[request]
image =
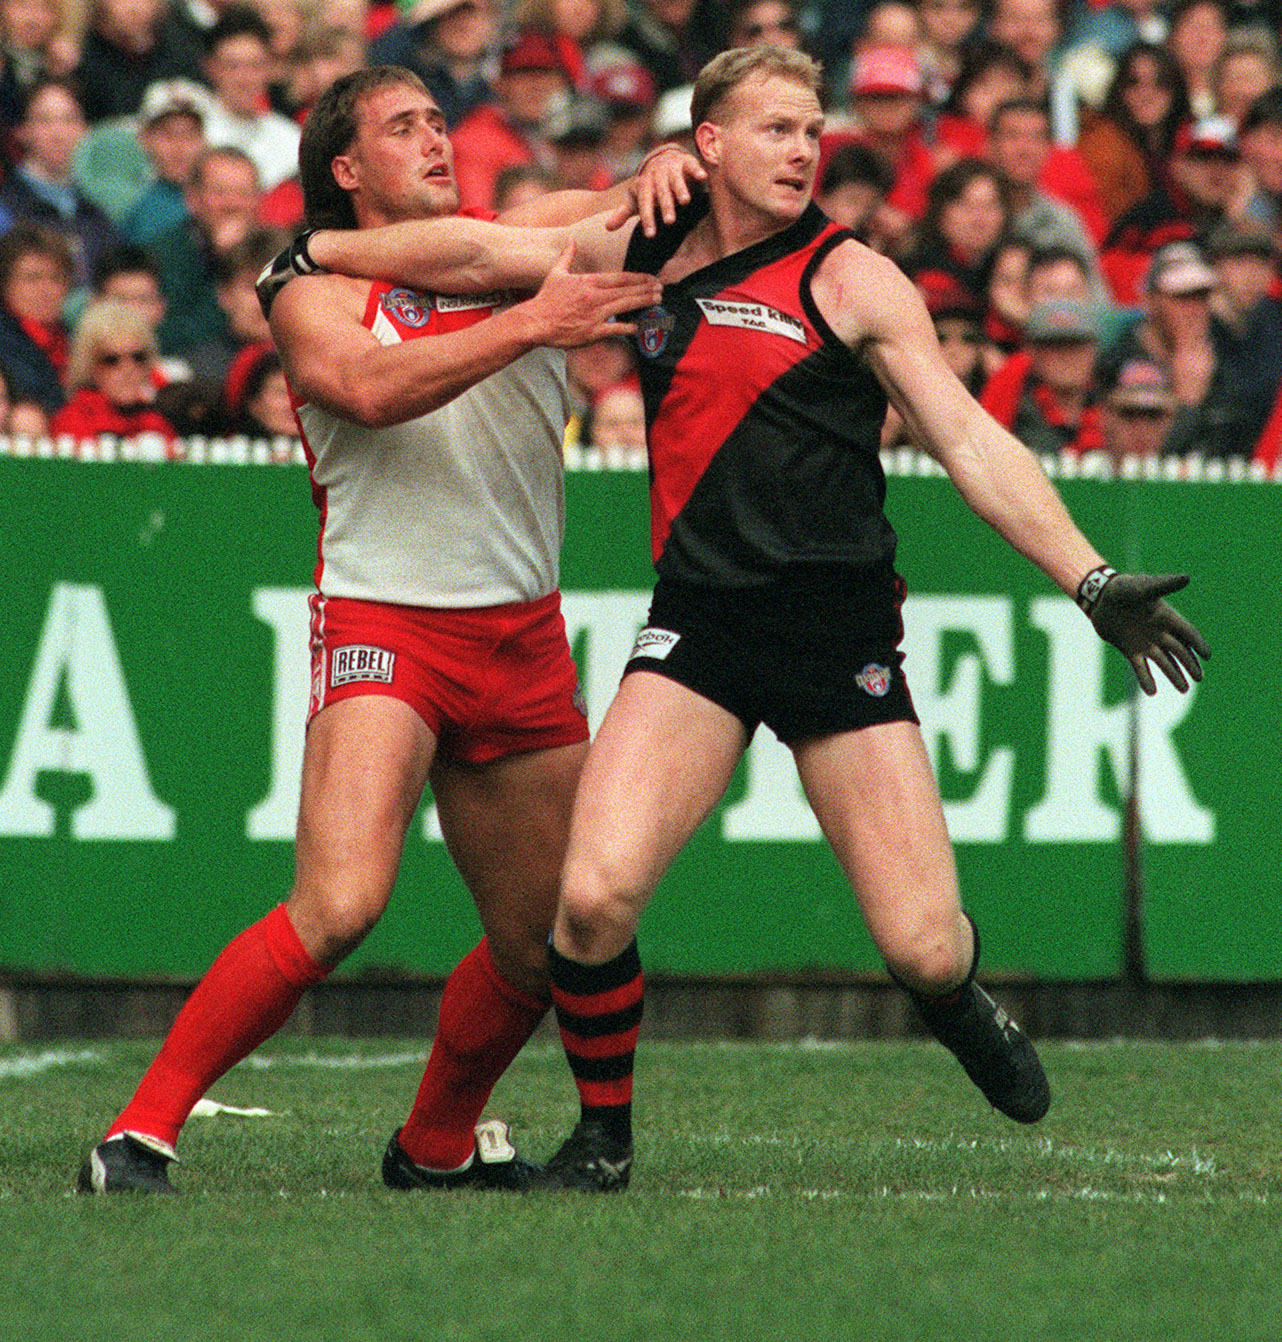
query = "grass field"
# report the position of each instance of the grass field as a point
(859, 1191)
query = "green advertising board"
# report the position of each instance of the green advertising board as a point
(151, 722)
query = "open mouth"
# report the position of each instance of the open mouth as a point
(438, 173)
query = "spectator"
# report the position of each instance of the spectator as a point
(36, 271)
(628, 93)
(1020, 146)
(532, 80)
(1058, 272)
(1176, 332)
(1138, 411)
(968, 211)
(520, 184)
(1007, 301)
(326, 52)
(618, 417)
(888, 94)
(222, 204)
(446, 43)
(110, 375)
(40, 188)
(35, 43)
(171, 132)
(1246, 309)
(234, 273)
(948, 28)
(575, 26)
(1248, 66)
(238, 65)
(1045, 394)
(1031, 29)
(755, 23)
(853, 189)
(990, 75)
(129, 274)
(257, 398)
(589, 370)
(889, 23)
(1196, 40)
(1260, 140)
(576, 131)
(663, 36)
(1128, 145)
(129, 45)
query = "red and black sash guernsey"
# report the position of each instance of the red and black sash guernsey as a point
(763, 427)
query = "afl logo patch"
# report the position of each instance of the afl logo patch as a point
(874, 679)
(409, 308)
(654, 328)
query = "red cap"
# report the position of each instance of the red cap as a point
(886, 70)
(530, 49)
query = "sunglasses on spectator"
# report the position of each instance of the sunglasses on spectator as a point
(141, 357)
(1153, 413)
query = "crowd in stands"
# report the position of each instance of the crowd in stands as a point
(1087, 192)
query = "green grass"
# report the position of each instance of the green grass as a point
(859, 1191)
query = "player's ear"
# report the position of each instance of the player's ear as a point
(344, 172)
(707, 139)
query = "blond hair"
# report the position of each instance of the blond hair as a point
(724, 73)
(103, 318)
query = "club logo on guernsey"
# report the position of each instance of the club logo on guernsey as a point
(874, 679)
(360, 661)
(655, 643)
(751, 317)
(408, 307)
(654, 330)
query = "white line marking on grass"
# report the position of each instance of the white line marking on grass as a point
(347, 1062)
(32, 1064)
(212, 1108)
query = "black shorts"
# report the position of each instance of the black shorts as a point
(800, 687)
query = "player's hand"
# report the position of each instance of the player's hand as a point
(571, 309)
(295, 260)
(662, 182)
(1128, 611)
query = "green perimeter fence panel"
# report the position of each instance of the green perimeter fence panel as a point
(151, 726)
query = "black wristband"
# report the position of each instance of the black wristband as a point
(302, 258)
(1090, 587)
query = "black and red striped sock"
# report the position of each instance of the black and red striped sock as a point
(598, 1010)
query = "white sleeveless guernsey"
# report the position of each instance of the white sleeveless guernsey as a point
(461, 507)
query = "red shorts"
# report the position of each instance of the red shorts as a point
(488, 681)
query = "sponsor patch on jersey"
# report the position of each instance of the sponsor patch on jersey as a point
(656, 643)
(467, 302)
(361, 661)
(409, 308)
(874, 679)
(752, 317)
(654, 330)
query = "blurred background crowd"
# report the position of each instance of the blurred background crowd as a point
(1088, 193)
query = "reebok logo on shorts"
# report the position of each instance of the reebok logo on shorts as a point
(656, 643)
(360, 661)
(874, 679)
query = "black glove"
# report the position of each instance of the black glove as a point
(277, 273)
(1127, 611)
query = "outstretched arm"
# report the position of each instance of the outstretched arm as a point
(875, 309)
(332, 360)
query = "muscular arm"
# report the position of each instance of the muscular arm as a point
(873, 307)
(332, 360)
(456, 255)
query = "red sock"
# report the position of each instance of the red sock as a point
(484, 1022)
(247, 994)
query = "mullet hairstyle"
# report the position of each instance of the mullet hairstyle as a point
(330, 131)
(724, 73)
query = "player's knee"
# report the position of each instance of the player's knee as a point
(521, 957)
(597, 910)
(332, 925)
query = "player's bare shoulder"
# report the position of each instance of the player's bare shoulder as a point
(318, 299)
(863, 295)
